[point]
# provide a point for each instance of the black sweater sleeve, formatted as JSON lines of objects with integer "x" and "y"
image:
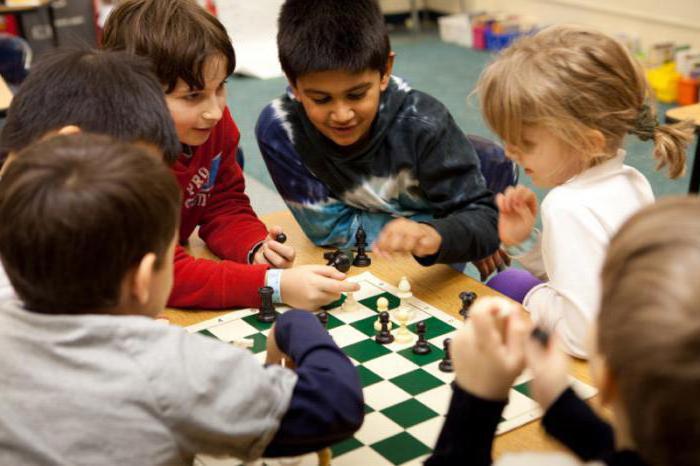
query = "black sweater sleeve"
{"x": 465, "y": 211}
{"x": 327, "y": 403}
{"x": 468, "y": 432}
{"x": 571, "y": 421}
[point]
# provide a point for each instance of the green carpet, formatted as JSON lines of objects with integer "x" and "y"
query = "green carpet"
{"x": 445, "y": 71}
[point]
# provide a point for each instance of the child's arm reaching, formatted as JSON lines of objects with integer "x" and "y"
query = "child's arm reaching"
{"x": 567, "y": 418}
{"x": 327, "y": 402}
{"x": 488, "y": 354}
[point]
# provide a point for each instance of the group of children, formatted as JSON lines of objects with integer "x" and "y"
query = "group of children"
{"x": 114, "y": 157}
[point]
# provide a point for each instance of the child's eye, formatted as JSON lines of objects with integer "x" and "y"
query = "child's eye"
{"x": 192, "y": 97}
{"x": 357, "y": 96}
{"x": 322, "y": 101}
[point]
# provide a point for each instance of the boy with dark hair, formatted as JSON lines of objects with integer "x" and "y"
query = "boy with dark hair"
{"x": 111, "y": 93}
{"x": 88, "y": 234}
{"x": 352, "y": 146}
{"x": 106, "y": 93}
{"x": 193, "y": 56}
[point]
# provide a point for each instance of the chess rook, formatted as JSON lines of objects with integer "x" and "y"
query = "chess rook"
{"x": 267, "y": 312}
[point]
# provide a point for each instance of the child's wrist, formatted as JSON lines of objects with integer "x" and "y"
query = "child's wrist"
{"x": 273, "y": 279}
{"x": 525, "y": 246}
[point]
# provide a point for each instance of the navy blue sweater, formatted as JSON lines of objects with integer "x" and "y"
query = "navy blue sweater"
{"x": 327, "y": 405}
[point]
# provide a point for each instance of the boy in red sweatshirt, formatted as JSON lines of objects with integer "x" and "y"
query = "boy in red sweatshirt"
{"x": 192, "y": 56}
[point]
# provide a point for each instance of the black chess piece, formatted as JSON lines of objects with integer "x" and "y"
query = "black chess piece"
{"x": 384, "y": 336}
{"x": 267, "y": 312}
{"x": 281, "y": 238}
{"x": 323, "y": 318}
{"x": 339, "y": 260}
{"x": 446, "y": 363}
{"x": 468, "y": 298}
{"x": 421, "y": 347}
{"x": 361, "y": 259}
{"x": 542, "y": 336}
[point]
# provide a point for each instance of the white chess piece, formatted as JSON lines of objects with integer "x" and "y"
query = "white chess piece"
{"x": 350, "y": 303}
{"x": 382, "y": 306}
{"x": 403, "y": 335}
{"x": 404, "y": 288}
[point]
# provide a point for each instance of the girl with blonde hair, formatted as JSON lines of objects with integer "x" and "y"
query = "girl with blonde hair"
{"x": 644, "y": 359}
{"x": 562, "y": 101}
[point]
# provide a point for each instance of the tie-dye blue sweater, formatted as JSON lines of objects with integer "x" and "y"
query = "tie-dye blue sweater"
{"x": 416, "y": 164}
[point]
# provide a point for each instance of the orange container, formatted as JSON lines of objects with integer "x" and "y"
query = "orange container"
{"x": 687, "y": 91}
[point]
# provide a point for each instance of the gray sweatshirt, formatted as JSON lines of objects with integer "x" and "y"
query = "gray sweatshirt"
{"x": 126, "y": 390}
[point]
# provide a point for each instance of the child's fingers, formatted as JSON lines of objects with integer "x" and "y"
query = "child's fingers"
{"x": 273, "y": 258}
{"x": 286, "y": 252}
{"x": 518, "y": 332}
{"x": 274, "y": 231}
{"x": 335, "y": 287}
{"x": 482, "y": 315}
{"x": 536, "y": 354}
{"x": 501, "y": 203}
{"x": 327, "y": 271}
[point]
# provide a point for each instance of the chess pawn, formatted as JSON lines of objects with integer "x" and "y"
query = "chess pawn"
{"x": 404, "y": 288}
{"x": 384, "y": 336}
{"x": 421, "y": 347}
{"x": 382, "y": 306}
{"x": 402, "y": 334}
{"x": 323, "y": 318}
{"x": 446, "y": 363}
{"x": 350, "y": 303}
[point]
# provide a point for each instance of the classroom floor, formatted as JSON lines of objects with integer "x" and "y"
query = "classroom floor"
{"x": 446, "y": 71}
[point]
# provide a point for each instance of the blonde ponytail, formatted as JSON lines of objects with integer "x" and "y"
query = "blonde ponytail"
{"x": 670, "y": 141}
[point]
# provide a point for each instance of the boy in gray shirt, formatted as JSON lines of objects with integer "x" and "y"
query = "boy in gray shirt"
{"x": 87, "y": 234}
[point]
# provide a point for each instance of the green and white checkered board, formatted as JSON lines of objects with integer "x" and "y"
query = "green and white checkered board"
{"x": 406, "y": 395}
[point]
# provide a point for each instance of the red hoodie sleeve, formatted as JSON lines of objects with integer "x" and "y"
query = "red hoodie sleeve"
{"x": 210, "y": 284}
{"x": 229, "y": 226}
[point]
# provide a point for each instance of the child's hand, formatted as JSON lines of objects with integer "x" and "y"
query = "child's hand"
{"x": 488, "y": 353}
{"x": 406, "y": 236}
{"x": 517, "y": 208}
{"x": 550, "y": 370}
{"x": 274, "y": 354}
{"x": 499, "y": 260}
{"x": 312, "y": 286}
{"x": 274, "y": 253}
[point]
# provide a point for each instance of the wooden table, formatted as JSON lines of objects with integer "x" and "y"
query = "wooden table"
{"x": 689, "y": 112}
{"x": 438, "y": 285}
{"x": 5, "y": 97}
{"x": 29, "y": 8}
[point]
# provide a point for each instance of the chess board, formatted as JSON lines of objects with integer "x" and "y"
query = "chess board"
{"x": 406, "y": 395}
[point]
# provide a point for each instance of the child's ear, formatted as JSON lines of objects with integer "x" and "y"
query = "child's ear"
{"x": 386, "y": 76}
{"x": 598, "y": 142}
{"x": 8, "y": 160}
{"x": 142, "y": 279}
{"x": 607, "y": 384}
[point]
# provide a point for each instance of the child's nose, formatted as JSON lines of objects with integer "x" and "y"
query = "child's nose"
{"x": 342, "y": 114}
{"x": 213, "y": 111}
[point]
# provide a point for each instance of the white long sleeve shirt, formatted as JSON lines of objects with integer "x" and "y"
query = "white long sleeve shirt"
{"x": 579, "y": 218}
